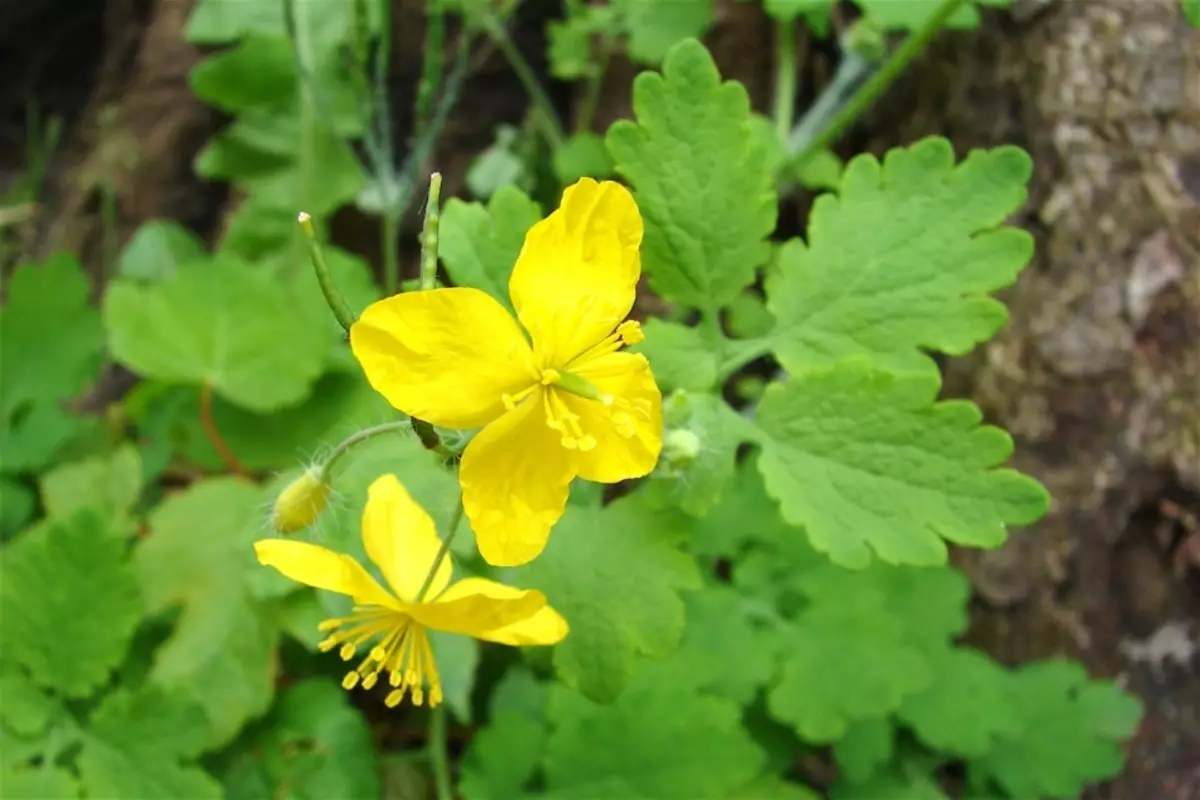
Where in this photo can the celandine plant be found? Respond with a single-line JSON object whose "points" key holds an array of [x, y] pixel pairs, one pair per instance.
{"points": [[694, 573]]}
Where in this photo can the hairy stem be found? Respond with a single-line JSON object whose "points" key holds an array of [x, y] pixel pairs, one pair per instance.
{"points": [[455, 524], [429, 233], [353, 441], [870, 91], [337, 304]]}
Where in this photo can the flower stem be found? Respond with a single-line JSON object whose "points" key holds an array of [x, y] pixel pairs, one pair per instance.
{"points": [[337, 304], [353, 441], [431, 67], [429, 234], [209, 424], [552, 128], [389, 234], [785, 77], [455, 524], [870, 91], [439, 758], [595, 83]]}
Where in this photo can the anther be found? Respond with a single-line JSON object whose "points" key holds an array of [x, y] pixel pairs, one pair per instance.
{"points": [[347, 651], [369, 681], [630, 332], [394, 697], [350, 681]]}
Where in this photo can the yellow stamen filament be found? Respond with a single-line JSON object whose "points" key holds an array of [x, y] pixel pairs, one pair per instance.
{"points": [[627, 333], [402, 652], [566, 422]]}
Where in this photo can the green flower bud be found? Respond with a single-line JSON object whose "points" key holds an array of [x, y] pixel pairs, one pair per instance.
{"points": [[681, 447], [299, 505], [677, 409]]}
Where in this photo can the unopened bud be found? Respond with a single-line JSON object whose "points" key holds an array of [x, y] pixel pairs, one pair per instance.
{"points": [[677, 409], [299, 505], [680, 448], [866, 39]]}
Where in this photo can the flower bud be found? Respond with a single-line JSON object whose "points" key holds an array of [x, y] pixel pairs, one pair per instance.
{"points": [[677, 409], [299, 505], [681, 447]]}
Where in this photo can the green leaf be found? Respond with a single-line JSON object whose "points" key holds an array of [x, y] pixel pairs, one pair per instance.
{"points": [[501, 164], [479, 245], [17, 502], [660, 739], [322, 23], [50, 338], [614, 574], [26, 709], [902, 259], [844, 665], [655, 27], [694, 487], [502, 757], [259, 71], [569, 40], [748, 317], [823, 170], [582, 156], [157, 250], [135, 743], [198, 557], [787, 10], [679, 356], [223, 324], [701, 179], [457, 659], [1191, 10], [864, 747], [315, 744], [967, 708], [866, 460], [51, 573], [744, 514], [109, 484], [912, 14], [36, 782], [35, 437], [898, 783], [1071, 732], [738, 657]]}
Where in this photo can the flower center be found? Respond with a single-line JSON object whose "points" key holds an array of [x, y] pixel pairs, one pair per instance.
{"points": [[401, 650]]}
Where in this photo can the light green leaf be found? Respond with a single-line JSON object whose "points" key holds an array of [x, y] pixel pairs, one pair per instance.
{"points": [[823, 170], [866, 461], [629, 555], [655, 27], [582, 156], [902, 782], [1072, 730], [479, 245], [109, 484], [135, 743], [224, 324], [199, 557], [50, 338], [51, 573], [157, 250], [660, 739], [315, 745], [844, 665], [17, 502], [744, 514], [902, 259], [787, 10], [502, 757], [771, 787], [1191, 10], [259, 71], [912, 14], [569, 40], [736, 657], [864, 747], [457, 659], [35, 437], [26, 709], [701, 179], [679, 357], [322, 23], [502, 164], [41, 782], [967, 708]]}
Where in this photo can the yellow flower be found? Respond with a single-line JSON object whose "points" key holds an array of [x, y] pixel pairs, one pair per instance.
{"points": [[400, 538], [567, 405]]}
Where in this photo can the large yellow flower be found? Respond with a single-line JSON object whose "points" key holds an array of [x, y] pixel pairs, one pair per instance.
{"points": [[567, 405], [402, 541]]}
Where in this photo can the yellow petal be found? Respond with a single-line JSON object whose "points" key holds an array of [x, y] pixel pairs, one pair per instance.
{"points": [[575, 278], [545, 627], [474, 606], [515, 477], [629, 432], [445, 355], [324, 569], [401, 539]]}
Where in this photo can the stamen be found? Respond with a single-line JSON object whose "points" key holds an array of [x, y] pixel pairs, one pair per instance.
{"points": [[350, 681], [511, 401], [627, 333], [566, 422]]}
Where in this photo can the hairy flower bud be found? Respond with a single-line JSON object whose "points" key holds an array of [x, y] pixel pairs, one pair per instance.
{"points": [[677, 409], [681, 447], [299, 505]]}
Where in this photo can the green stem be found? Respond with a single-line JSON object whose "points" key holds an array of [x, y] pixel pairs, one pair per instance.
{"points": [[439, 758], [353, 441], [337, 303], [552, 128], [785, 78], [429, 234], [431, 68], [870, 91], [595, 82], [455, 524], [389, 243]]}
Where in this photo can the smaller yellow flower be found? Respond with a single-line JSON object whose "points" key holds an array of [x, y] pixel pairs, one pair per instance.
{"points": [[390, 624]]}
